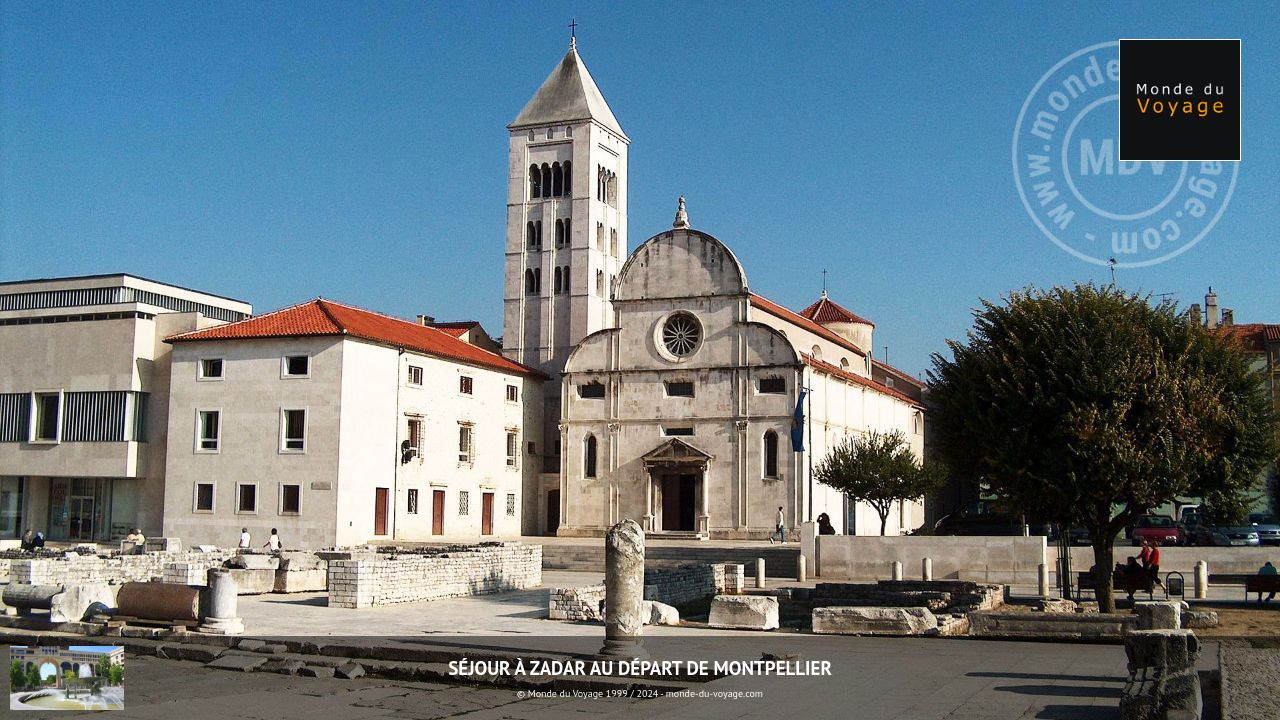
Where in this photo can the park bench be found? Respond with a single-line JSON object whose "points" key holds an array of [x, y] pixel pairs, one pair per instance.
{"points": [[1261, 584], [1120, 582]]}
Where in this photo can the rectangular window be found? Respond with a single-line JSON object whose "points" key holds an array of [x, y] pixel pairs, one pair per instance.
{"points": [[773, 385], [412, 447], [511, 504], [465, 443], [210, 369], [246, 497], [677, 431], [47, 411], [513, 448], [465, 384], [208, 430], [591, 390], [204, 497], [888, 382], [513, 393], [293, 431], [533, 448], [679, 388], [464, 502], [412, 507], [415, 375], [296, 366], [290, 499]]}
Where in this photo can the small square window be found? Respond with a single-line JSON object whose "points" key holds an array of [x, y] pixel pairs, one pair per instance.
{"points": [[415, 375], [246, 498], [297, 366], [593, 390], [412, 506], [208, 430], [465, 384], [464, 502], [773, 385], [679, 388], [290, 499], [210, 369], [511, 504], [293, 431], [513, 393], [533, 448], [204, 497]]}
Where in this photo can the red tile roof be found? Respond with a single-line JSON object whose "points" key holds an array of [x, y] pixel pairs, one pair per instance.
{"points": [[826, 367], [825, 311], [1253, 336], [456, 329], [790, 316], [901, 374], [326, 317]]}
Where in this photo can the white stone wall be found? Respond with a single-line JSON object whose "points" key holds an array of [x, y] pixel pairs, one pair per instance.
{"points": [[387, 580], [82, 569]]}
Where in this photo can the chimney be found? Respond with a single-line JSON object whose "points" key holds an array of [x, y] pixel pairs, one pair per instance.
{"points": [[425, 319], [1228, 317], [1211, 309], [1195, 315]]}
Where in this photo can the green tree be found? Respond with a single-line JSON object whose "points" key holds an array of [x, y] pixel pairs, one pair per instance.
{"points": [[117, 674], [878, 469], [1088, 406], [17, 676], [103, 668], [33, 676]]}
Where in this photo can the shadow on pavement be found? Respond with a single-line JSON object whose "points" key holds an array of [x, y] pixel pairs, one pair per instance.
{"points": [[1078, 712], [1046, 676], [1061, 690]]}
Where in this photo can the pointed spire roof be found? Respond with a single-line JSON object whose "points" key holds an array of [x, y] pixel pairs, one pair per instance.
{"points": [[568, 95], [825, 311]]}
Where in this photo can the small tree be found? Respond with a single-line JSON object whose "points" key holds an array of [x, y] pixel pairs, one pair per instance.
{"points": [[878, 469], [103, 669], [33, 676], [117, 674], [17, 676], [1089, 406]]}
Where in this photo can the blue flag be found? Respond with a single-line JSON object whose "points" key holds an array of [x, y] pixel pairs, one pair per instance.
{"points": [[797, 425]]}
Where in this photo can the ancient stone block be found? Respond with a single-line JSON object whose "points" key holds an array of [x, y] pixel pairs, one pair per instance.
{"points": [[660, 613], [1158, 615], [744, 612], [316, 671], [1055, 606], [1197, 619], [237, 662], [349, 671], [873, 621]]}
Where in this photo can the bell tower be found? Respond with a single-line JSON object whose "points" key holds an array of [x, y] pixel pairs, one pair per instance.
{"points": [[566, 224]]}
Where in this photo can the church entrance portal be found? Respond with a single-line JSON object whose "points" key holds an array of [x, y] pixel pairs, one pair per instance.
{"points": [[679, 502]]}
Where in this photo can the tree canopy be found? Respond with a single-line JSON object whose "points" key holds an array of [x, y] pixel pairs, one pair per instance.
{"points": [[878, 469], [1088, 406]]}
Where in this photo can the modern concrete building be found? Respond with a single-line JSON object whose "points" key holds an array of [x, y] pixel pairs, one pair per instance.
{"points": [[84, 399], [338, 425], [682, 413]]}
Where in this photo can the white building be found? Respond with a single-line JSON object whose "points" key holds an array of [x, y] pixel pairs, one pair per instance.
{"points": [[337, 426], [84, 399]]}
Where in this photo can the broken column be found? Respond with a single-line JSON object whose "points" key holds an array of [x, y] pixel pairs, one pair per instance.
{"points": [[624, 590], [221, 617]]}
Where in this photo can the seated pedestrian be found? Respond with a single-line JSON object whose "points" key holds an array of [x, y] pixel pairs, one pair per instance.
{"points": [[824, 525], [273, 542], [1267, 570], [1130, 570], [246, 542], [38, 542], [135, 542], [29, 540]]}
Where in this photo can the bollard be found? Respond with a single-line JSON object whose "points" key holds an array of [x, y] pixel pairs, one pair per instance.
{"points": [[897, 570], [759, 572], [1202, 580], [926, 569], [624, 591], [801, 575], [1043, 578], [223, 604]]}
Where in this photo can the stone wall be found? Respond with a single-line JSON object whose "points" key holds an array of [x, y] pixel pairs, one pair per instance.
{"points": [[674, 586], [1006, 560], [582, 603], [84, 569], [387, 579]]}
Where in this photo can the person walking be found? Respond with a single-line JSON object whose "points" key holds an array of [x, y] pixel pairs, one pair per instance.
{"points": [[246, 542], [780, 530], [1150, 558]]}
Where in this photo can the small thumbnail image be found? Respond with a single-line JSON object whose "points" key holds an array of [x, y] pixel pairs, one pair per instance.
{"points": [[77, 677]]}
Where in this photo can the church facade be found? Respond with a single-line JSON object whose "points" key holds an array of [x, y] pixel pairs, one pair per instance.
{"points": [[679, 397]]}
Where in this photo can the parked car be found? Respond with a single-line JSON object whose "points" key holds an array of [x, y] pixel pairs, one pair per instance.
{"points": [[985, 518], [1078, 535], [1160, 529], [1207, 534], [1191, 522], [1268, 528]]}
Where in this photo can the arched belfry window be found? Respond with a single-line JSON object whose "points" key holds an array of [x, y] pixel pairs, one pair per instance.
{"points": [[559, 233], [546, 180], [566, 278], [535, 182], [770, 454], [567, 237], [557, 180], [568, 177], [600, 283], [532, 233], [589, 457], [528, 282], [557, 280], [537, 281]]}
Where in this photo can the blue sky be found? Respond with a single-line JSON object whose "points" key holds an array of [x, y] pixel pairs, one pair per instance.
{"points": [[276, 152]]}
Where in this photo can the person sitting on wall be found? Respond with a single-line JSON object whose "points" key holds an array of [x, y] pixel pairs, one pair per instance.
{"points": [[1131, 569], [29, 540], [1267, 570], [38, 542], [246, 542], [273, 542], [824, 525], [135, 542]]}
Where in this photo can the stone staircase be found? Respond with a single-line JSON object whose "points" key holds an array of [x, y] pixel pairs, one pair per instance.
{"points": [[779, 561]]}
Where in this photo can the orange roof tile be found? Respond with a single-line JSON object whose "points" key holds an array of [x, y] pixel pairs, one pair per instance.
{"points": [[457, 328], [790, 316], [829, 369], [326, 317], [1253, 336], [825, 311], [899, 373]]}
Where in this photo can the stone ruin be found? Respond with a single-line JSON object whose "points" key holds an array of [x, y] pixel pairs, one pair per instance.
{"points": [[897, 607]]}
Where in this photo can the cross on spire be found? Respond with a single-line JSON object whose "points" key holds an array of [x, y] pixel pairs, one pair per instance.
{"points": [[824, 282], [573, 32]]}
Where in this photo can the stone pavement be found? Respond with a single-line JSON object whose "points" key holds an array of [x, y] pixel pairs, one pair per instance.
{"points": [[873, 679]]}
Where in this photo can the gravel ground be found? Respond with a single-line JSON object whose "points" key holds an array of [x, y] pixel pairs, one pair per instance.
{"points": [[1250, 678]]}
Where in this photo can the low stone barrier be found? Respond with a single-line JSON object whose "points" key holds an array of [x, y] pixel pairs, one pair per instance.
{"points": [[744, 612], [874, 621], [1104, 627], [936, 595], [83, 569], [431, 575], [580, 603], [668, 586], [988, 559]]}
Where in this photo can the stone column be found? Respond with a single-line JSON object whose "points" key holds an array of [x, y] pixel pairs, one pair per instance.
{"points": [[624, 591], [759, 572], [897, 570], [926, 569], [1202, 580], [801, 575], [221, 618], [1042, 579]]}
